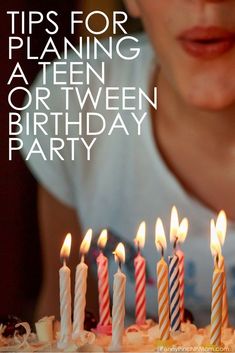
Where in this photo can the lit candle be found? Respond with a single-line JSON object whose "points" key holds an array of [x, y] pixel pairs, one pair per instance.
{"points": [[140, 277], [174, 283], [118, 311], [181, 236], [80, 288], [221, 227], [103, 281], [162, 283], [65, 296], [217, 290]]}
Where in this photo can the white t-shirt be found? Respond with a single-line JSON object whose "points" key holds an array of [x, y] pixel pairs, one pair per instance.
{"points": [[126, 182]]}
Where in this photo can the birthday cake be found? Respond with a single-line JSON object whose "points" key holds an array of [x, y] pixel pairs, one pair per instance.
{"points": [[172, 332], [145, 338]]}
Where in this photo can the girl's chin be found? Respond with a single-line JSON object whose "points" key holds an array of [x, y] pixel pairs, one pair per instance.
{"points": [[208, 89], [214, 101]]}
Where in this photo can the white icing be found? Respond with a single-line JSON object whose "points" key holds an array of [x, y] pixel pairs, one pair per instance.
{"points": [[44, 329], [153, 333], [134, 339]]}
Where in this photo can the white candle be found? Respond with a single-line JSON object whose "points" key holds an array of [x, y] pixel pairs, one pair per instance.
{"points": [[65, 297], [81, 288], [118, 312]]}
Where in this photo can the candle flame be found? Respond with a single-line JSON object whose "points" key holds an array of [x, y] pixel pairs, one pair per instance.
{"points": [[85, 245], [140, 236], [215, 243], [221, 227], [102, 241], [66, 247], [174, 224], [160, 238], [182, 230], [119, 253]]}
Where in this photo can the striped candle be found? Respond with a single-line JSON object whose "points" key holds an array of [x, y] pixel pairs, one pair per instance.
{"points": [[179, 239], [221, 228], [118, 312], [79, 299], [180, 255], [225, 320], [174, 292], [178, 234], [216, 307], [81, 288], [140, 277], [103, 288], [65, 297], [65, 307], [162, 283], [140, 289], [163, 300], [217, 288]]}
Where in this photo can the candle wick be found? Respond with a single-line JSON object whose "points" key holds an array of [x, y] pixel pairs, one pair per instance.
{"points": [[137, 243], [64, 261], [217, 260], [162, 248], [175, 243], [119, 265], [83, 258]]}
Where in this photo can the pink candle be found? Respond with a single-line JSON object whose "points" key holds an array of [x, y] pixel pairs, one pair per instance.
{"points": [[180, 255], [140, 277], [103, 282]]}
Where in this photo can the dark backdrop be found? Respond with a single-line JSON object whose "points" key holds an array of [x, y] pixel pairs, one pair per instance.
{"points": [[20, 258]]}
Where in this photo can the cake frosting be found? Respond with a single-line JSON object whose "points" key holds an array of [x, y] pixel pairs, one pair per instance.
{"points": [[145, 338]]}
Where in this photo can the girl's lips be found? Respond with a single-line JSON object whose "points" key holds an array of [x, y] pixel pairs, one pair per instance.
{"points": [[207, 42]]}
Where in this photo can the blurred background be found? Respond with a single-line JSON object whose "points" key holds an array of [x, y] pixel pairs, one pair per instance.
{"points": [[20, 250]]}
